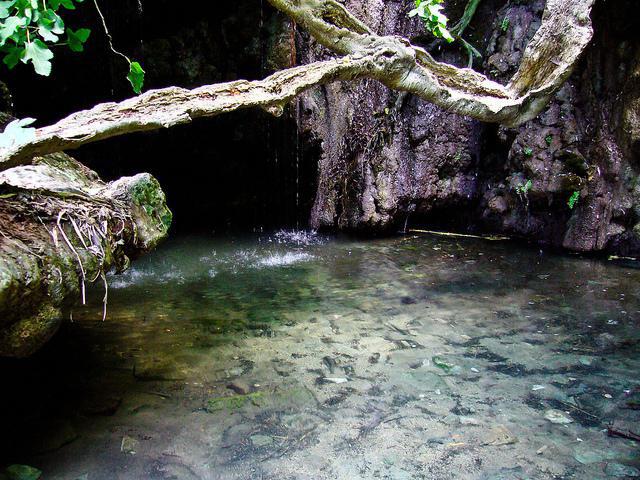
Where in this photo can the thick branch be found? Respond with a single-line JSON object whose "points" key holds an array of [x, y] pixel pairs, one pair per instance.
{"points": [[548, 61], [172, 106]]}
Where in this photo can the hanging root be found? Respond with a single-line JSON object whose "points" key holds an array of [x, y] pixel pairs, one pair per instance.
{"points": [[90, 225], [75, 252], [105, 300]]}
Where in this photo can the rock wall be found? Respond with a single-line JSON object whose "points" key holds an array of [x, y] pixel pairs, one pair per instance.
{"points": [[390, 160]]}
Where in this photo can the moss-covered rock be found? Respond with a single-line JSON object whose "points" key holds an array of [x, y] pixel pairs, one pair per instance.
{"points": [[61, 227]]}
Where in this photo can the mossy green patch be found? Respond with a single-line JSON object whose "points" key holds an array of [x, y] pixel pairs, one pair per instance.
{"points": [[21, 472], [149, 195], [233, 403]]}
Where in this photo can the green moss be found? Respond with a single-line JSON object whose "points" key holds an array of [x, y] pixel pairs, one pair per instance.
{"points": [[26, 336], [233, 403], [21, 472], [149, 195]]}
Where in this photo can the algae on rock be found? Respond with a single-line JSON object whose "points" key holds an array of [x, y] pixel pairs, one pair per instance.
{"points": [[61, 227]]}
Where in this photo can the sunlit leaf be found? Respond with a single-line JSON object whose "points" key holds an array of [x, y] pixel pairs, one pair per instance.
{"points": [[17, 132], [40, 56], [136, 76]]}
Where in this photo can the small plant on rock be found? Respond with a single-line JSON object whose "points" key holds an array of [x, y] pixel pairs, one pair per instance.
{"points": [[430, 12], [522, 189], [573, 199]]}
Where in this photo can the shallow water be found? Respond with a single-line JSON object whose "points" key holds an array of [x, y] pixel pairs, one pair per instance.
{"points": [[294, 356]]}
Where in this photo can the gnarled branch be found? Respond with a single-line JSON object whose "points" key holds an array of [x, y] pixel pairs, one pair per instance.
{"points": [[548, 61]]}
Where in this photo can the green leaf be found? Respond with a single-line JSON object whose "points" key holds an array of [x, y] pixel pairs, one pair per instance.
{"points": [[15, 133], [13, 57], [45, 30], [76, 39], [5, 8], [68, 4], [430, 11], [40, 56], [9, 27], [136, 76]]}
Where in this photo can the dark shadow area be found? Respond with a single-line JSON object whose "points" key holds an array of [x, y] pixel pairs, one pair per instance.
{"points": [[244, 171], [50, 384], [240, 172]]}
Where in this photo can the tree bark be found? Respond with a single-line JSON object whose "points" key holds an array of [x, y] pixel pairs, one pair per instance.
{"points": [[548, 61], [61, 228]]}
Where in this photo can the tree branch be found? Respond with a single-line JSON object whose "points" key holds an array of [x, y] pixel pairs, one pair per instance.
{"points": [[547, 62]]}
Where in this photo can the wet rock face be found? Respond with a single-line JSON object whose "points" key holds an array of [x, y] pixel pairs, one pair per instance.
{"points": [[384, 155], [388, 159]]}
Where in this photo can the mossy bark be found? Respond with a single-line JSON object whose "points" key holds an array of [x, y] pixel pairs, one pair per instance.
{"points": [[61, 228]]}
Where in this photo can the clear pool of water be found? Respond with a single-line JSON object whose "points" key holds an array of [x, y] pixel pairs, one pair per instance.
{"points": [[295, 356]]}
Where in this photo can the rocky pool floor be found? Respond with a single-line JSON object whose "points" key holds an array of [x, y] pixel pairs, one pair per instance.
{"points": [[293, 356]]}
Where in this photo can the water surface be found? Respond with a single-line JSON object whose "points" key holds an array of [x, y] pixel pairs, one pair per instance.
{"points": [[295, 356]]}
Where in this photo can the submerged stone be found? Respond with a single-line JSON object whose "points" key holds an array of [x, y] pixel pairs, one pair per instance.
{"points": [[261, 440], [21, 472], [557, 417], [129, 445], [499, 435], [620, 471]]}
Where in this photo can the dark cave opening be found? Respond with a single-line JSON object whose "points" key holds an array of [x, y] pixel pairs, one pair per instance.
{"points": [[245, 171], [241, 172]]}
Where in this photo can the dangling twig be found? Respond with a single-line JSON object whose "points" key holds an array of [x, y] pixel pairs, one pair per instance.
{"points": [[108, 34]]}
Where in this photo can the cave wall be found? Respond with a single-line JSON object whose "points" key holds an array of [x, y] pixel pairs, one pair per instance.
{"points": [[390, 160]]}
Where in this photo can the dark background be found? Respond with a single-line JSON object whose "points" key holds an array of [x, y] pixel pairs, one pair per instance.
{"points": [[238, 172]]}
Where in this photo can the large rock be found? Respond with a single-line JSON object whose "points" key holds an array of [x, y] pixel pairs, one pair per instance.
{"points": [[61, 228], [387, 158]]}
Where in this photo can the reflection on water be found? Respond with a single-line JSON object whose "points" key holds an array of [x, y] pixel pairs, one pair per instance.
{"points": [[299, 356]]}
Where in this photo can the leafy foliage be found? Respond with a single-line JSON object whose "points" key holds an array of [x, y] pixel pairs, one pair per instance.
{"points": [[522, 189], [575, 196], [430, 11], [29, 28]]}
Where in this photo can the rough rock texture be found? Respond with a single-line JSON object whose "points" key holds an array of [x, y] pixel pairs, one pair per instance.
{"points": [[390, 159], [60, 229]]}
